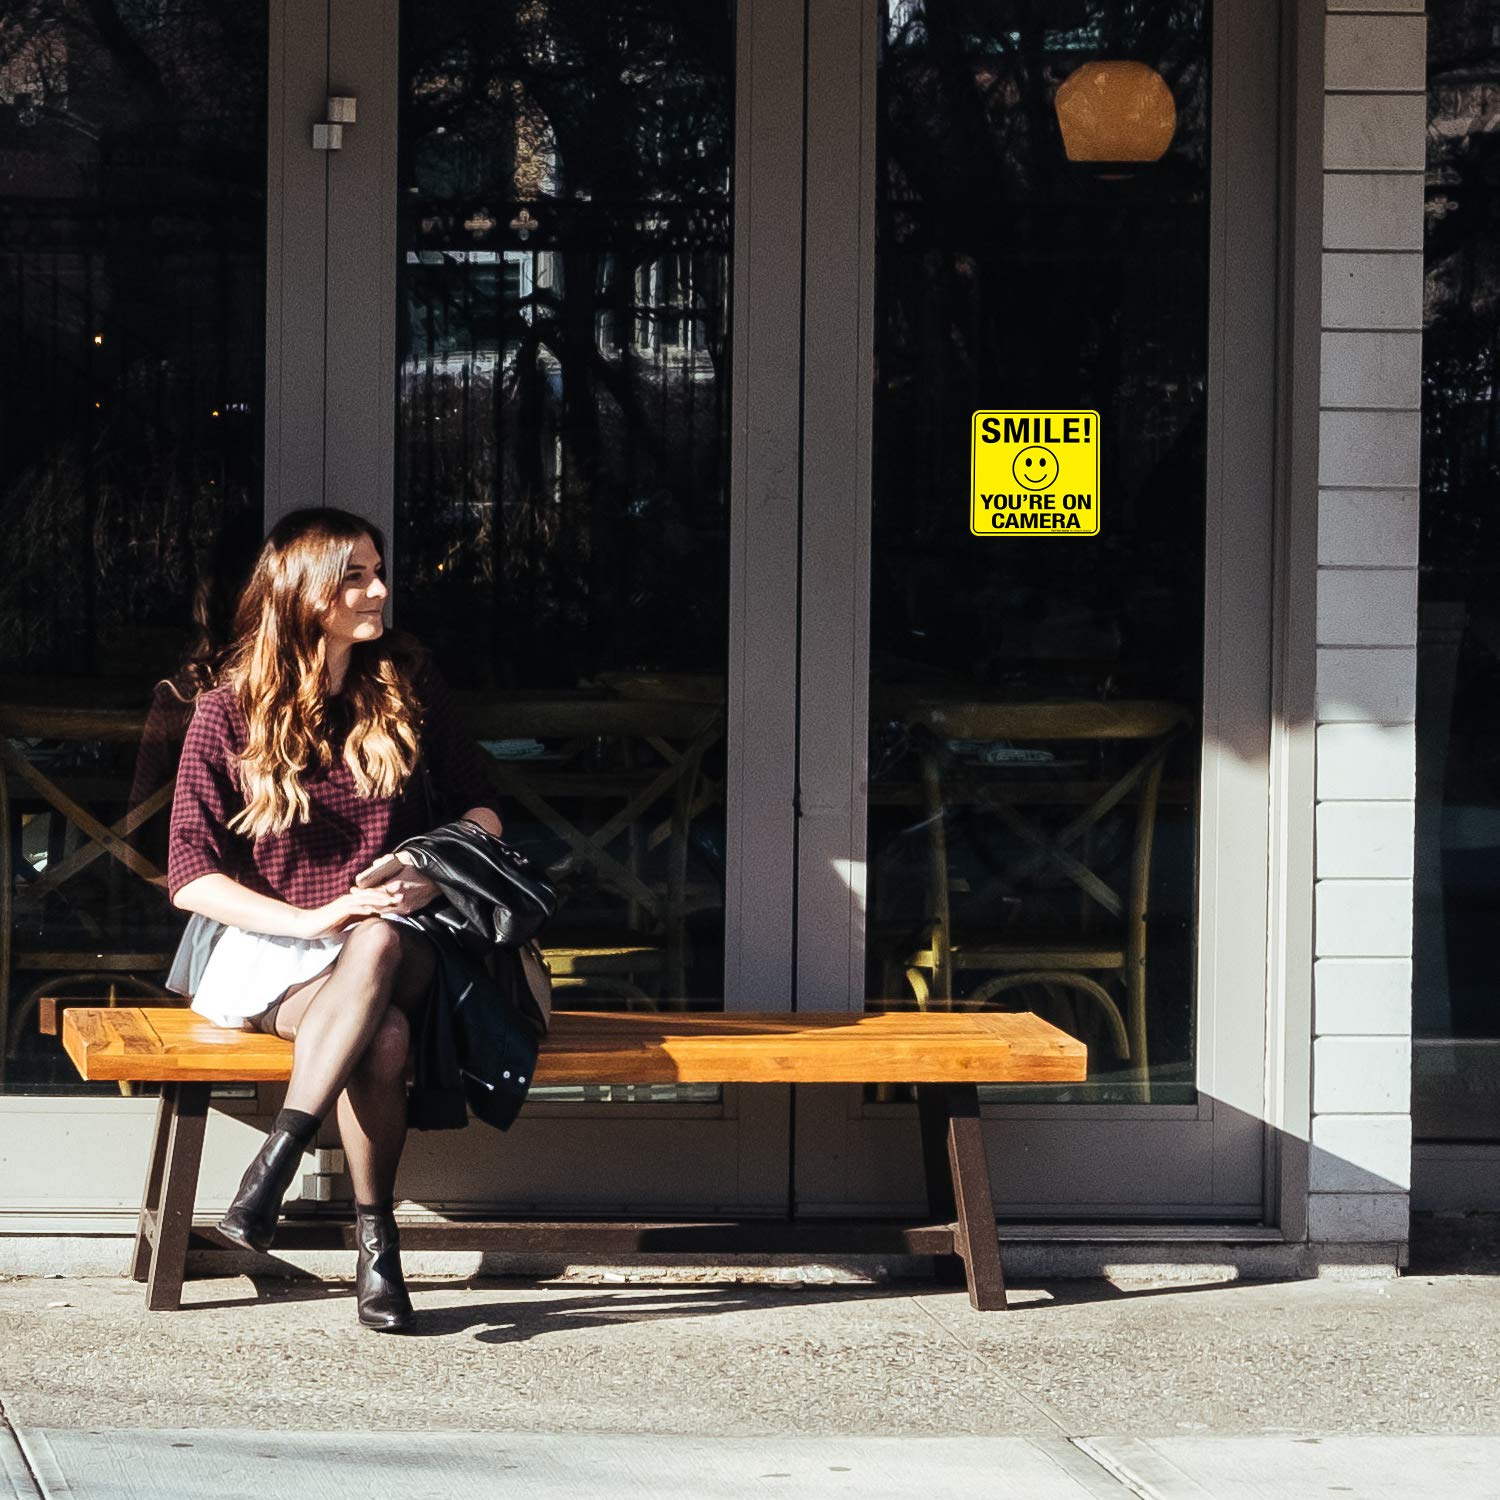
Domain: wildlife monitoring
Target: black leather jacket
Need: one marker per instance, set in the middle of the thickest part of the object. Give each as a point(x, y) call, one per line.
point(475, 1044)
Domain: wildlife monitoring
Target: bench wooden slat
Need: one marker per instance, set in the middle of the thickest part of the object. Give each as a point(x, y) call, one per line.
point(86, 1028)
point(175, 1045)
point(131, 1032)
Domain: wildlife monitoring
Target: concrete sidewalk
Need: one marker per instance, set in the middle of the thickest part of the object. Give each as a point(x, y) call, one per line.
point(249, 1465)
point(648, 1387)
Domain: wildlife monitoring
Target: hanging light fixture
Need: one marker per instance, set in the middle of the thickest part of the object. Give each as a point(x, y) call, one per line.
point(1115, 111)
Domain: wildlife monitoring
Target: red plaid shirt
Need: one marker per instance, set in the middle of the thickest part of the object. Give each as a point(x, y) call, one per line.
point(310, 863)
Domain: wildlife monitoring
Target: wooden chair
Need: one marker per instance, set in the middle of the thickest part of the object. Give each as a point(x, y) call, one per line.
point(1011, 960)
point(79, 843)
point(655, 787)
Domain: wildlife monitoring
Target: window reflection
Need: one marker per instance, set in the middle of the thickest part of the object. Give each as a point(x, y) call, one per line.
point(132, 308)
point(1456, 1020)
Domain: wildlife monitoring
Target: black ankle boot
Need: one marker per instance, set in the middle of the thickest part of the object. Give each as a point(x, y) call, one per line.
point(251, 1219)
point(379, 1287)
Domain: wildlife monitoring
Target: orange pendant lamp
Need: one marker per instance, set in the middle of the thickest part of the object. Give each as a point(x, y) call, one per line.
point(1115, 112)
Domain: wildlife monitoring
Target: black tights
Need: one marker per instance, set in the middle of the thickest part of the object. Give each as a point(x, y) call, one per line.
point(352, 1036)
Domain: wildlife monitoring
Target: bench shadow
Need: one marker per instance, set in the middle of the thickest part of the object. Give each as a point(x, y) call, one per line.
point(504, 1320)
point(1077, 1293)
point(509, 1320)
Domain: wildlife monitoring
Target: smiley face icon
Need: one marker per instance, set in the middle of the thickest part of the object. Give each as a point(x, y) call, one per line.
point(1035, 468)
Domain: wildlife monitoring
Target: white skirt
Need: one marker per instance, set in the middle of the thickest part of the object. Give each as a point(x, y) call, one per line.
point(232, 974)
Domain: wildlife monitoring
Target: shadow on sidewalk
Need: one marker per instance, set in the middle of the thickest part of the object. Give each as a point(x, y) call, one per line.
point(514, 1318)
point(514, 1315)
point(1098, 1289)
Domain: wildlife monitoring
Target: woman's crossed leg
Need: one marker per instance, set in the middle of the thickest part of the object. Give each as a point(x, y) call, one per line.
point(352, 1034)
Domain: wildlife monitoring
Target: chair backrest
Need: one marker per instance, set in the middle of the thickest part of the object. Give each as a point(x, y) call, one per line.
point(611, 815)
point(1150, 724)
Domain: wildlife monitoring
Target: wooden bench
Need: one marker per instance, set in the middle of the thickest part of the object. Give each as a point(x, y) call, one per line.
point(945, 1054)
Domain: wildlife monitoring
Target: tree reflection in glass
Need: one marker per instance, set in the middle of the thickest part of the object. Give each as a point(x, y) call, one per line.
point(562, 500)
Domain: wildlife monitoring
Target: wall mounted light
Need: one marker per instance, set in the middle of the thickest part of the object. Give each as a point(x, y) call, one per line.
point(1115, 111)
point(328, 133)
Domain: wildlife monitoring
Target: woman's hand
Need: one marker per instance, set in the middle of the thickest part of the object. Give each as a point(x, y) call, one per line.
point(394, 874)
point(325, 921)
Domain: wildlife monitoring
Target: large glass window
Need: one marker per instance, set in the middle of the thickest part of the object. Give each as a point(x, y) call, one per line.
point(563, 442)
point(1456, 1015)
point(1036, 699)
point(132, 314)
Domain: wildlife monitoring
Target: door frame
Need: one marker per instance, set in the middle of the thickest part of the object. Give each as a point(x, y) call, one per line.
point(1211, 1160)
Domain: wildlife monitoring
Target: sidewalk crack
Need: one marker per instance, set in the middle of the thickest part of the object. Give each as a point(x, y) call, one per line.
point(1117, 1472)
point(1142, 1469)
point(1043, 1409)
point(15, 1462)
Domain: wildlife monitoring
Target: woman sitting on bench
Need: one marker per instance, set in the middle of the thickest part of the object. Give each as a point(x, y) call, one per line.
point(328, 741)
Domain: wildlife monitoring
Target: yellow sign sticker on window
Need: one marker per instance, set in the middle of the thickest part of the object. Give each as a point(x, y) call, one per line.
point(1034, 473)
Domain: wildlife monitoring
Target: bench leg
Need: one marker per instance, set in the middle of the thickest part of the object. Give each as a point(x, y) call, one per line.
point(978, 1239)
point(932, 1111)
point(173, 1183)
point(145, 1229)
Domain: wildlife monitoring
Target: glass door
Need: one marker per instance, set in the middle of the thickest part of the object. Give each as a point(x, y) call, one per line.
point(562, 331)
point(1055, 795)
point(535, 317)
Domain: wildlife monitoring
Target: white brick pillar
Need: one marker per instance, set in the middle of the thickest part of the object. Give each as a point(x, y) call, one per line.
point(1374, 154)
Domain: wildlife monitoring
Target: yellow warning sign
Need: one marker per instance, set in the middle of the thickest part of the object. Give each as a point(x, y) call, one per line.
point(1034, 473)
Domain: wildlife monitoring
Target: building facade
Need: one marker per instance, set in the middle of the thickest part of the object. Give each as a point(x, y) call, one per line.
point(650, 336)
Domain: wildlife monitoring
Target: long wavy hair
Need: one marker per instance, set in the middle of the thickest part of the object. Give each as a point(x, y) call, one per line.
point(277, 670)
